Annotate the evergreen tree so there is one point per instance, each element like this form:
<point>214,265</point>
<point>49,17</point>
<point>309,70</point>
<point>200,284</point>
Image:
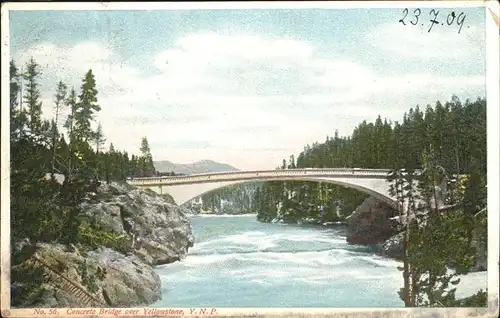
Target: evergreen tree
<point>69,124</point>
<point>146,159</point>
<point>32,96</point>
<point>399,190</point>
<point>475,196</point>
<point>145,150</point>
<point>59,100</point>
<point>393,145</point>
<point>86,108</point>
<point>99,138</point>
<point>17,117</point>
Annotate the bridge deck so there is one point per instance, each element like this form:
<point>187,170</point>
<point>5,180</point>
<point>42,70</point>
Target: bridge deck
<point>262,175</point>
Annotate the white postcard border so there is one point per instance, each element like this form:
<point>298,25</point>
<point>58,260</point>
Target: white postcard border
<point>493,124</point>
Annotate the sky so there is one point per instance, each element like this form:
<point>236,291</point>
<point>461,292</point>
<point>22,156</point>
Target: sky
<point>249,87</point>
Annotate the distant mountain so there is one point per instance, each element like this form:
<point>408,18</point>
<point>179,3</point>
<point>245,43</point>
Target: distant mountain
<point>203,166</point>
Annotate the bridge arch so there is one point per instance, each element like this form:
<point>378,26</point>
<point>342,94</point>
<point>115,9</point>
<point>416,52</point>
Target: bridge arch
<point>386,198</point>
<point>185,188</point>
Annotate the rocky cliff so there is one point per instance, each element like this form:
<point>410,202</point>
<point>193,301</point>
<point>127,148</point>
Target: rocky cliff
<point>156,230</point>
<point>99,278</point>
<point>371,223</point>
<point>375,223</point>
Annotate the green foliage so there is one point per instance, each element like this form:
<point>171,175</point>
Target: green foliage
<point>92,235</point>
<point>86,108</point>
<point>35,278</point>
<point>437,245</point>
<point>446,142</point>
<point>434,249</point>
<point>89,277</point>
<point>99,138</point>
<point>452,134</point>
<point>146,160</point>
<point>42,208</point>
<point>59,100</point>
<point>479,299</point>
<point>31,275</point>
<point>17,115</point>
<point>32,95</point>
<point>235,199</point>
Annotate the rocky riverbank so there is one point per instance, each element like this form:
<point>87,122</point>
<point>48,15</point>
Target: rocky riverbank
<point>371,223</point>
<point>153,228</point>
<point>158,229</point>
<point>375,223</point>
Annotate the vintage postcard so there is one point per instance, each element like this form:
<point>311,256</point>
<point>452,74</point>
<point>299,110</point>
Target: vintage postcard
<point>250,159</point>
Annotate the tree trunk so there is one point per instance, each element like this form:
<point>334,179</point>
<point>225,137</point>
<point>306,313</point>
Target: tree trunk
<point>70,146</point>
<point>53,152</point>
<point>406,266</point>
<point>106,169</point>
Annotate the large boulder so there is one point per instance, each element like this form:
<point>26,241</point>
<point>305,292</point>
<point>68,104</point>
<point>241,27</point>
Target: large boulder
<point>394,246</point>
<point>158,229</point>
<point>70,278</point>
<point>128,279</point>
<point>371,223</point>
<point>480,245</point>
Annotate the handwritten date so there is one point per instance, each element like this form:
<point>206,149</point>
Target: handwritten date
<point>415,17</point>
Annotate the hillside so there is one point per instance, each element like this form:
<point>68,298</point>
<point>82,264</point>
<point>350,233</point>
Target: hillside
<point>203,166</point>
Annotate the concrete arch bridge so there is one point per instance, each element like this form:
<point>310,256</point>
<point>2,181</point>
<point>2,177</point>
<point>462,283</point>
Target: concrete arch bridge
<point>186,187</point>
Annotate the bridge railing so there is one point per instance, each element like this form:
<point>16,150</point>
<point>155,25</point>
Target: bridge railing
<point>318,172</point>
<point>277,171</point>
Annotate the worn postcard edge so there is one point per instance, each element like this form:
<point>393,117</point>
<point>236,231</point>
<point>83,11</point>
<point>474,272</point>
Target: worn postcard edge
<point>493,115</point>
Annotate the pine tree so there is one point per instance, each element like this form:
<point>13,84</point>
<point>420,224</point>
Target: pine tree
<point>32,96</point>
<point>59,100</point>
<point>86,108</point>
<point>475,196</point>
<point>72,104</point>
<point>145,150</point>
<point>99,138</point>
<point>17,115</point>
<point>397,190</point>
<point>146,159</point>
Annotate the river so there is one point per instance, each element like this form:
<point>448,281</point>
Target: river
<point>239,262</point>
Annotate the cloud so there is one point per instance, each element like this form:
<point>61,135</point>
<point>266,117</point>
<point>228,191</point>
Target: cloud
<point>70,64</point>
<point>234,97</point>
<point>205,48</point>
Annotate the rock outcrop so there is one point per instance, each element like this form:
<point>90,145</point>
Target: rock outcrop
<point>375,223</point>
<point>158,229</point>
<point>371,223</point>
<point>393,247</point>
<point>103,278</point>
<point>481,248</point>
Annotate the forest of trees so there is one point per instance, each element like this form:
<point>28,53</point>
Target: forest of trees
<point>71,144</point>
<point>455,131</point>
<point>234,199</point>
<point>447,143</point>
